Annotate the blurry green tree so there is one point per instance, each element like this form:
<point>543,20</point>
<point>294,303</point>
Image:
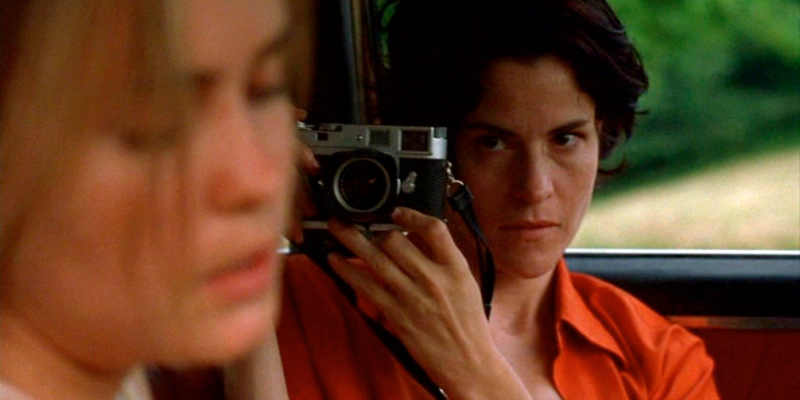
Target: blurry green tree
<point>725,80</point>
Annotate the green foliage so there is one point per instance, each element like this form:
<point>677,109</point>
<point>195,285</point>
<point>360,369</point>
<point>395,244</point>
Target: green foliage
<point>725,80</point>
<point>382,13</point>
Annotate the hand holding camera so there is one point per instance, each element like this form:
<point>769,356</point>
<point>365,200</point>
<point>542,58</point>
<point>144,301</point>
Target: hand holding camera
<point>421,284</point>
<point>377,197</point>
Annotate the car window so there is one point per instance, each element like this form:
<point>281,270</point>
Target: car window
<point>715,162</point>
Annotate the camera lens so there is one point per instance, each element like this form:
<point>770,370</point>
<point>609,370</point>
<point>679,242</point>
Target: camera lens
<point>362,185</point>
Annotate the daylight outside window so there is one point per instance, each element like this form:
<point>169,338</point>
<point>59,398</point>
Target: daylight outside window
<point>715,163</point>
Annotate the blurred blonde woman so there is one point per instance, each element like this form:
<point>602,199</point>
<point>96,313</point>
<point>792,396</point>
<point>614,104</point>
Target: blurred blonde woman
<point>147,170</point>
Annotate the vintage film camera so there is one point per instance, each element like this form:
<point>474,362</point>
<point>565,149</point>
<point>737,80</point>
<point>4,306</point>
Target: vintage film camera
<point>368,170</point>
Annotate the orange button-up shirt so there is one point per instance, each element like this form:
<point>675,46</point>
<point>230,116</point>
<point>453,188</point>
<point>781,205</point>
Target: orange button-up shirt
<point>611,346</point>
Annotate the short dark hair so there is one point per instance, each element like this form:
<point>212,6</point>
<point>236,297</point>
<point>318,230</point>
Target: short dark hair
<point>439,51</point>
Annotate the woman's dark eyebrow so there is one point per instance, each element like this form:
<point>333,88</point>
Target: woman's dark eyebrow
<point>569,126</point>
<point>489,127</point>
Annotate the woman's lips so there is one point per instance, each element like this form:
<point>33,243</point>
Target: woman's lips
<point>529,229</point>
<point>246,279</point>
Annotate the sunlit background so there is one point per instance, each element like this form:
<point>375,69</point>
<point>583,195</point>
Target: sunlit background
<point>716,162</point>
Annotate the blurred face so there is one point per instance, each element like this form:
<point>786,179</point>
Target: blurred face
<point>529,153</point>
<point>161,246</point>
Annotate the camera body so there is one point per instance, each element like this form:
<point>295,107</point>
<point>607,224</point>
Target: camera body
<point>368,170</point>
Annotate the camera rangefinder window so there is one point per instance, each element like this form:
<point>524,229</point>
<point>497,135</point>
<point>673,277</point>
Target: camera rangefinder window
<point>379,137</point>
<point>415,140</point>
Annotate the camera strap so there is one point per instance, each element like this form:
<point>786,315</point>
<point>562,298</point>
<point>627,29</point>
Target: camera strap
<point>460,200</point>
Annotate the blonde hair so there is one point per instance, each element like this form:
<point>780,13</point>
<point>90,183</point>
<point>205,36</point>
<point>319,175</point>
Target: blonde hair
<point>52,50</point>
<point>60,55</point>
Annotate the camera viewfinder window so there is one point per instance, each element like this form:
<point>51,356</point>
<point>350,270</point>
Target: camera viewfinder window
<point>379,137</point>
<point>415,140</point>
<point>322,136</point>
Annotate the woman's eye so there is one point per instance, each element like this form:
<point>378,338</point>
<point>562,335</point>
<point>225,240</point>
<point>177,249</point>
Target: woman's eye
<point>492,143</point>
<point>268,81</point>
<point>566,139</point>
<point>258,94</point>
<point>139,140</point>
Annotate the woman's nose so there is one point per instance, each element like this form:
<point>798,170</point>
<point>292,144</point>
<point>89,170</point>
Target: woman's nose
<point>535,179</point>
<point>254,157</point>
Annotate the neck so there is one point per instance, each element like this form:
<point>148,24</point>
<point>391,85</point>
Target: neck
<point>523,322</point>
<point>523,329</point>
<point>523,306</point>
<point>520,305</point>
<point>27,356</point>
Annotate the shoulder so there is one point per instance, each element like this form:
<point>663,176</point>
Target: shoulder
<point>629,320</point>
<point>300,270</point>
<point>310,292</point>
<point>329,351</point>
<point>670,361</point>
<point>307,282</point>
<point>613,305</point>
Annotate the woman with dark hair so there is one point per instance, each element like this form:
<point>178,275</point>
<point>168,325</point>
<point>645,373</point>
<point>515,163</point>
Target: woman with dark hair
<point>534,94</point>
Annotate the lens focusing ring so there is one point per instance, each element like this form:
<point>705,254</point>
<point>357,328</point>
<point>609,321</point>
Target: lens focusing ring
<point>361,185</point>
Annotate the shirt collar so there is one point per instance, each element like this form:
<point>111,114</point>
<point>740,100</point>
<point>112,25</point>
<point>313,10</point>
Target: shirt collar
<point>572,309</point>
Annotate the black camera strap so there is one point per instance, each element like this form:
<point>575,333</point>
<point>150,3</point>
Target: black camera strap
<point>460,199</point>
